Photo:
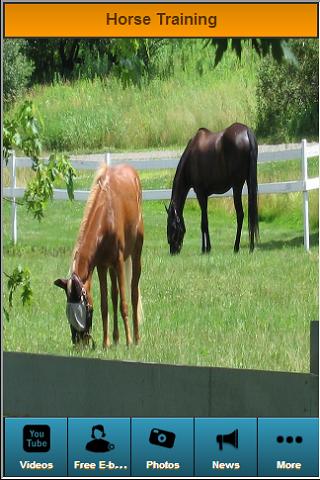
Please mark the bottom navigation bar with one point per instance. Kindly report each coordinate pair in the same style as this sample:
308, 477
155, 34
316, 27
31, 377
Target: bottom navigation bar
142, 447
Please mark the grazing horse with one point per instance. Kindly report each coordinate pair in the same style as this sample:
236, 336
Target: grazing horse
110, 238
214, 163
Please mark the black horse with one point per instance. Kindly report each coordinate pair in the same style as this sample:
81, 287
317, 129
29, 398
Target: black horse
214, 163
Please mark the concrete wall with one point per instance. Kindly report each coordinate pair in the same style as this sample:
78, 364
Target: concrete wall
52, 386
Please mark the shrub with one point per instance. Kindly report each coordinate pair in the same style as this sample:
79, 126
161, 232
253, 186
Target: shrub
287, 94
17, 69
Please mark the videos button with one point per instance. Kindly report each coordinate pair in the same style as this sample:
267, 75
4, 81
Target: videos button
35, 447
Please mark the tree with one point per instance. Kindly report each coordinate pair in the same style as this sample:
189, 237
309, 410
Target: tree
17, 69
68, 59
61, 57
287, 94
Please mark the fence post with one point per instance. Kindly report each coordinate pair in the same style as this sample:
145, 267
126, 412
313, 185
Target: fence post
108, 158
14, 205
314, 347
304, 169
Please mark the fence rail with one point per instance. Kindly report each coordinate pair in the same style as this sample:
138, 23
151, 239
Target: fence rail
169, 160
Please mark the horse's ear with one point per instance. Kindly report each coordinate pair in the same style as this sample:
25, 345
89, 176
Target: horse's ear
61, 282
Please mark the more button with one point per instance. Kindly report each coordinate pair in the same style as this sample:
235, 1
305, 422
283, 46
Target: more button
288, 447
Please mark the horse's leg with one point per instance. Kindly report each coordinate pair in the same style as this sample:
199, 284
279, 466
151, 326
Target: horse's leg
203, 202
136, 271
237, 200
123, 304
114, 296
102, 273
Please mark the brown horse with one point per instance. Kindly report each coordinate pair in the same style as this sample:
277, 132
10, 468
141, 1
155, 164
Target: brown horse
110, 238
214, 163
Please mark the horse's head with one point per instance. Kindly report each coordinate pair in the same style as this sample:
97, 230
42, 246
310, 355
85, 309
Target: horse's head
79, 310
175, 229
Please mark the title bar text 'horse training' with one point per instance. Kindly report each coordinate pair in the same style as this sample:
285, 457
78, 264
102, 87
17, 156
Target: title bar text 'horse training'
163, 19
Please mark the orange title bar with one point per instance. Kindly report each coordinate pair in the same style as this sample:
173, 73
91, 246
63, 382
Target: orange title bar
160, 20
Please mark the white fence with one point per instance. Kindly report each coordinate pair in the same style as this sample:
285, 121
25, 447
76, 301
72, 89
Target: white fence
169, 160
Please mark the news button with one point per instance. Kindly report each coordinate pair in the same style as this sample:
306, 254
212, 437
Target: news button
225, 447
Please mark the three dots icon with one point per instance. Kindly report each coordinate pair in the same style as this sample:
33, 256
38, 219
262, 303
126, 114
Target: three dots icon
289, 439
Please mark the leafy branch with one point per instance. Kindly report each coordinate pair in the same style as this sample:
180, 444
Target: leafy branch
20, 277
23, 132
262, 46
40, 190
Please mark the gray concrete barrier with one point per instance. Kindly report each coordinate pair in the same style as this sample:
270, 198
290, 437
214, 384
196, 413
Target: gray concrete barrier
53, 386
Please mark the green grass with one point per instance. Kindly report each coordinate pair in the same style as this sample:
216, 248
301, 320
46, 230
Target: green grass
103, 114
248, 311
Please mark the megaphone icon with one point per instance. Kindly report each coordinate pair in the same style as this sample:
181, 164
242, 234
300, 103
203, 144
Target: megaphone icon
231, 438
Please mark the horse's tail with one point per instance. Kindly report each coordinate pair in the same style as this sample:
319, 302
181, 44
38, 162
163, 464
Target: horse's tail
252, 183
128, 270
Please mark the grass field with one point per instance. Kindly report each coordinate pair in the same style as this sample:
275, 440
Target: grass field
221, 309
100, 114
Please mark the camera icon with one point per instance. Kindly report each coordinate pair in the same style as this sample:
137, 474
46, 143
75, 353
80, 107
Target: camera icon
162, 438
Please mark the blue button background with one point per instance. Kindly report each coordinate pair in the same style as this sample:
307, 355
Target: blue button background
14, 452
143, 450
117, 431
270, 451
207, 448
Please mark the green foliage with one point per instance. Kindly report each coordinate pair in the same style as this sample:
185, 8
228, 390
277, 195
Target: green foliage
40, 189
62, 57
287, 94
186, 93
135, 59
23, 132
20, 277
263, 46
17, 69
129, 59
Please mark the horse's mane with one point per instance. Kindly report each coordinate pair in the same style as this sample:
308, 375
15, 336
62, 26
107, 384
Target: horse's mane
181, 163
95, 190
